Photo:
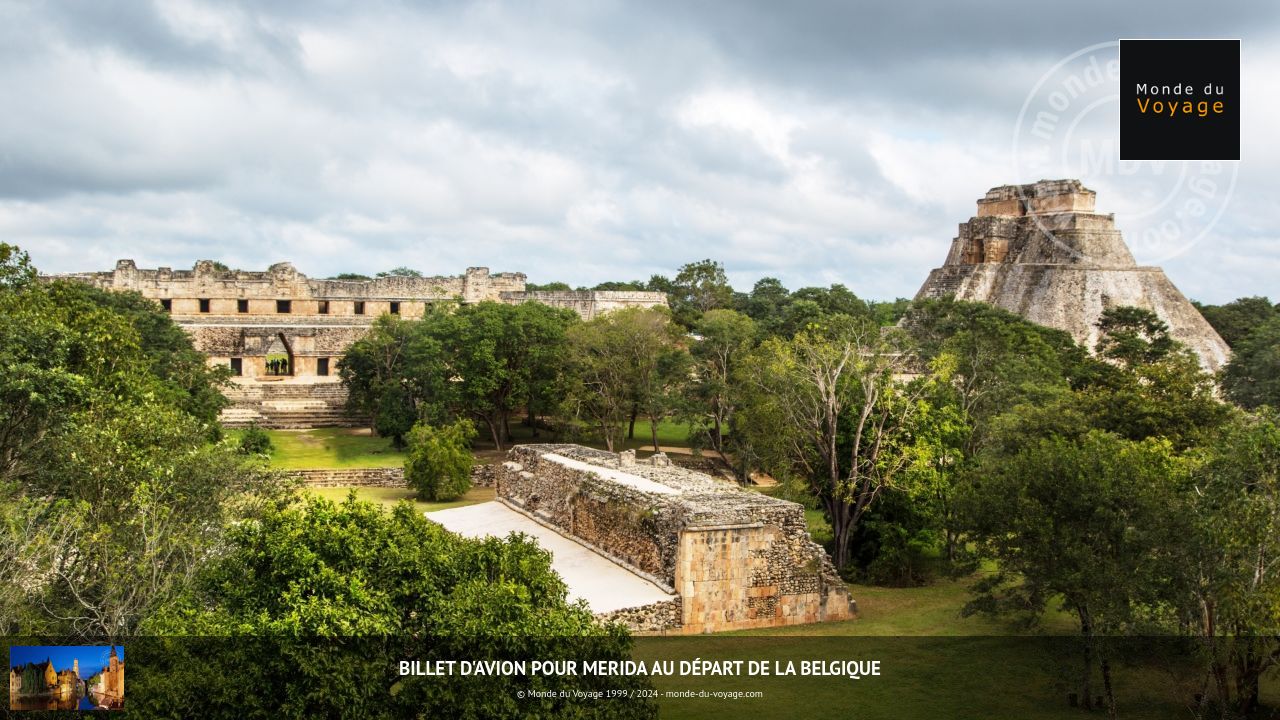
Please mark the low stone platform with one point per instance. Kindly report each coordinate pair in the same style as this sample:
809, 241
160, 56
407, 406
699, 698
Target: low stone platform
605, 585
723, 558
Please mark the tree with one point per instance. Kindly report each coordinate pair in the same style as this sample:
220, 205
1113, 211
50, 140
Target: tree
724, 337
376, 370
1075, 518
1146, 384
766, 305
994, 361
1252, 376
16, 271
255, 441
439, 462
698, 287
551, 286
316, 600
396, 414
1133, 336
1237, 319
828, 407
1221, 553
482, 361
623, 362
621, 285
499, 357
350, 276
401, 271
106, 429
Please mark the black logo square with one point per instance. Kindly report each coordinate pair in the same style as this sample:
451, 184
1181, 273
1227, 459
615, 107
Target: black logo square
1179, 99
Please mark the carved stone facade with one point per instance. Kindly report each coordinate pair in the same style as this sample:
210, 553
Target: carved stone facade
734, 559
281, 325
1041, 251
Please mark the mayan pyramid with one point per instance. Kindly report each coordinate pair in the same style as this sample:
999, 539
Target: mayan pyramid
1041, 251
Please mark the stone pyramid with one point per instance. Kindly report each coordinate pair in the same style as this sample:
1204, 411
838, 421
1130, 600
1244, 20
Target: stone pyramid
1041, 251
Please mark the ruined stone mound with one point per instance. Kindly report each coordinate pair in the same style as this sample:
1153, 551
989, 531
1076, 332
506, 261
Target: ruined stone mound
1041, 251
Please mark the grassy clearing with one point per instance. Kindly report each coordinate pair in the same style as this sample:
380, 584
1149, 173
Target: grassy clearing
389, 497
331, 448
343, 448
935, 664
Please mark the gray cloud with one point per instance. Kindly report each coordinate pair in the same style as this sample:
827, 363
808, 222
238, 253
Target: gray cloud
579, 141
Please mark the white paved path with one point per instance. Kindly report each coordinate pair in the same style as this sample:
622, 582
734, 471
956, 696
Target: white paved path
604, 584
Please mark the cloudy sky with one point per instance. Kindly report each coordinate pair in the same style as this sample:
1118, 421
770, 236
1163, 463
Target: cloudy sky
582, 141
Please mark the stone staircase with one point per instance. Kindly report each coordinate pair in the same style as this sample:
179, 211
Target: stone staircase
288, 406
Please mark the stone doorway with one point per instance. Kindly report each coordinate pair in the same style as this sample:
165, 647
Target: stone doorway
279, 360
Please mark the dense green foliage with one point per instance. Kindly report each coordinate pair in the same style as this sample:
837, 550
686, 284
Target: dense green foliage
482, 362
622, 365
439, 461
389, 585
112, 488
255, 441
1236, 320
826, 407
1252, 377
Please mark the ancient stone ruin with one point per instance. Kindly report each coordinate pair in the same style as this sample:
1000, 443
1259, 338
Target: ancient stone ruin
282, 333
723, 558
1041, 251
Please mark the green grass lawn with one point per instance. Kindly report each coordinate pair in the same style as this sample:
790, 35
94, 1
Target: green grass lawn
389, 497
934, 664
341, 448
332, 448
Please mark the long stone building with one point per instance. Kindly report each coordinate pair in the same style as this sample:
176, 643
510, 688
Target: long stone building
1042, 251
657, 547
282, 333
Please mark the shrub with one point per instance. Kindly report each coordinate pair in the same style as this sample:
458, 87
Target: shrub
439, 461
255, 441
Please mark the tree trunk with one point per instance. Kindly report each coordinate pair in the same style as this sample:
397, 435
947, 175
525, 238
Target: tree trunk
841, 528
608, 435
1086, 632
1106, 686
631, 426
1248, 671
506, 426
531, 418
653, 432
493, 432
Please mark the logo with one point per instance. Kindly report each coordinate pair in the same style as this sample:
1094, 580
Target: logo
1069, 127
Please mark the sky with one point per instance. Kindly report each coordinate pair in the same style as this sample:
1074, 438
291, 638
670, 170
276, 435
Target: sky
92, 657
816, 142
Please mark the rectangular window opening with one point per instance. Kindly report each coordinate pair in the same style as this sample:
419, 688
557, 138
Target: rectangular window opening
395, 307
242, 306
322, 366
359, 307
237, 367
284, 306
204, 305
322, 307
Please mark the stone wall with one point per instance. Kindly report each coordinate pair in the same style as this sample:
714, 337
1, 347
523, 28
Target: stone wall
354, 477
242, 316
481, 476
737, 559
588, 303
657, 618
